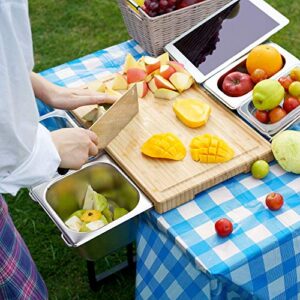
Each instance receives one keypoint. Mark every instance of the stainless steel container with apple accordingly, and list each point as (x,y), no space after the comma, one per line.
(247,111)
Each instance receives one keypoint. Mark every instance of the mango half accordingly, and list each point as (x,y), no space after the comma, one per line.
(192,112)
(209,148)
(164,145)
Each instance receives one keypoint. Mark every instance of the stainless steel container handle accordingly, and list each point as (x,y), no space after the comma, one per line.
(66,241)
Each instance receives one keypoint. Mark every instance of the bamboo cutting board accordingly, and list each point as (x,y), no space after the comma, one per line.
(171,183)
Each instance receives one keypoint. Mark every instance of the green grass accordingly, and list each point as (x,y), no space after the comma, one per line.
(64,30)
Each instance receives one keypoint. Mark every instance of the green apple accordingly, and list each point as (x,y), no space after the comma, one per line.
(74,223)
(267,94)
(260,169)
(100,202)
(294,88)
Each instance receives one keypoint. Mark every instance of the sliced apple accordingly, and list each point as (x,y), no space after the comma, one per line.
(165,94)
(101,88)
(119,82)
(130,62)
(135,75)
(142,89)
(164,58)
(152,86)
(151,75)
(166,71)
(177,66)
(181,81)
(151,64)
(87,112)
(162,83)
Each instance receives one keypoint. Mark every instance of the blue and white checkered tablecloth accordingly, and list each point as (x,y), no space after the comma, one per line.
(179,254)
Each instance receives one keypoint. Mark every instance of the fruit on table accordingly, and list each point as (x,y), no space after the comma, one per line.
(181,81)
(209,148)
(267,94)
(237,84)
(294,88)
(290,103)
(152,86)
(165,94)
(285,81)
(142,89)
(162,83)
(286,149)
(258,75)
(192,112)
(164,145)
(295,74)
(276,114)
(164,58)
(151,63)
(260,169)
(177,66)
(135,75)
(274,201)
(264,57)
(223,227)
(262,116)
(119,82)
(166,71)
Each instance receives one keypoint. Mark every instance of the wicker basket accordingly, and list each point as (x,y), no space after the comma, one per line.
(154,33)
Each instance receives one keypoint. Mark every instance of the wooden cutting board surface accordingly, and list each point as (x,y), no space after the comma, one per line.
(171,183)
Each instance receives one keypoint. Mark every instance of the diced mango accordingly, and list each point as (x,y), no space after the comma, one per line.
(209,148)
(164,145)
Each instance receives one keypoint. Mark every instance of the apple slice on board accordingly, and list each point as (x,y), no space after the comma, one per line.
(142,88)
(166,71)
(151,64)
(135,75)
(119,82)
(165,94)
(162,83)
(181,81)
(152,86)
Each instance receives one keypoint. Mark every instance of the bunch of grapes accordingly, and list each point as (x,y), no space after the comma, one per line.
(159,7)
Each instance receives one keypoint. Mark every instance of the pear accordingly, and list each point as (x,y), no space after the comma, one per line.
(100,202)
(267,94)
(119,212)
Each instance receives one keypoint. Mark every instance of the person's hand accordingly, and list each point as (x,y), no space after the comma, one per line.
(71,98)
(74,146)
(66,98)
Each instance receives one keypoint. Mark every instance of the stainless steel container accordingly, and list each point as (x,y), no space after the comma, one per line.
(213,85)
(96,244)
(247,110)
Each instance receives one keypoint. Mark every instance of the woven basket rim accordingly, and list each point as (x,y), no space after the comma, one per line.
(172,12)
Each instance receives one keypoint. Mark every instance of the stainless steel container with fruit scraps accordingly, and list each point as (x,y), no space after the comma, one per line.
(63,195)
(243,104)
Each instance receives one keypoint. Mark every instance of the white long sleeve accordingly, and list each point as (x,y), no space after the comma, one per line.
(27,153)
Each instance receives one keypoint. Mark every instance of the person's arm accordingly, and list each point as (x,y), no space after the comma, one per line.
(66,98)
(29,153)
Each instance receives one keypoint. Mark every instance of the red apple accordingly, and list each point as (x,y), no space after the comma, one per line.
(135,75)
(142,89)
(262,116)
(177,66)
(237,84)
(285,81)
(259,75)
(290,104)
(274,201)
(276,114)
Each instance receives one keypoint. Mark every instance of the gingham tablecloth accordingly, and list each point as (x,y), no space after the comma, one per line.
(179,254)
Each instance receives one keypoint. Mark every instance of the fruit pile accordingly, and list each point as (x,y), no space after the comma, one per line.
(262,63)
(268,95)
(165,78)
(159,7)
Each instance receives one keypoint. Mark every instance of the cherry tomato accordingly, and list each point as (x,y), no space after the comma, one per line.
(262,116)
(259,75)
(285,81)
(274,201)
(276,114)
(223,227)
